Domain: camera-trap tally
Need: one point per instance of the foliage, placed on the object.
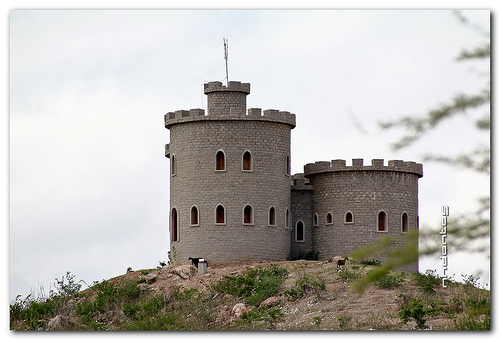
(259, 318)
(466, 228)
(309, 256)
(347, 274)
(370, 262)
(396, 257)
(390, 281)
(414, 310)
(305, 285)
(428, 281)
(254, 287)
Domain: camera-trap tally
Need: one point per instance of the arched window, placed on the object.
(173, 165)
(248, 215)
(175, 226)
(329, 218)
(315, 219)
(404, 223)
(272, 216)
(195, 217)
(287, 219)
(220, 214)
(220, 161)
(247, 161)
(299, 232)
(382, 221)
(349, 217)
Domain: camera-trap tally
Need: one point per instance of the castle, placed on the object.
(234, 200)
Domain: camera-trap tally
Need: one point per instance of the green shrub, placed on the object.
(390, 281)
(371, 262)
(416, 311)
(428, 281)
(255, 286)
(472, 323)
(347, 275)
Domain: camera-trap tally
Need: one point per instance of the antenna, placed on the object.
(225, 57)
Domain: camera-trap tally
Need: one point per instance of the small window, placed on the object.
(248, 215)
(315, 219)
(175, 226)
(272, 216)
(299, 232)
(382, 221)
(195, 216)
(287, 166)
(220, 161)
(349, 217)
(247, 161)
(173, 165)
(329, 218)
(287, 219)
(404, 223)
(220, 215)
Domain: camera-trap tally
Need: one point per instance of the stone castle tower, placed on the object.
(230, 179)
(233, 199)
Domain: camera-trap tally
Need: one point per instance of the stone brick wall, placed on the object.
(194, 142)
(364, 191)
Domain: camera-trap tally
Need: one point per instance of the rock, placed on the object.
(185, 271)
(270, 301)
(151, 277)
(239, 309)
(59, 322)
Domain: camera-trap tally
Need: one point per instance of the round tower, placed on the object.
(229, 179)
(353, 206)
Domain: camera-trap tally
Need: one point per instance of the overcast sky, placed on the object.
(89, 183)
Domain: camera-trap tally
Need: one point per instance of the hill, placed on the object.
(289, 295)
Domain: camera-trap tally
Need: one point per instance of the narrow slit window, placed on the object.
(173, 165)
(382, 221)
(195, 216)
(220, 215)
(299, 232)
(315, 219)
(272, 216)
(248, 215)
(287, 219)
(348, 217)
(404, 223)
(287, 166)
(175, 226)
(220, 161)
(247, 161)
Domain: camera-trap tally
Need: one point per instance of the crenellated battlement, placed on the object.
(233, 86)
(357, 165)
(253, 114)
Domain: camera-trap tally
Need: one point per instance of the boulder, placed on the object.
(59, 322)
(185, 271)
(270, 301)
(239, 309)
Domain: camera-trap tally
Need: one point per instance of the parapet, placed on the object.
(299, 182)
(233, 86)
(253, 114)
(338, 165)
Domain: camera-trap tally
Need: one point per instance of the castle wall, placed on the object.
(195, 140)
(363, 191)
(302, 194)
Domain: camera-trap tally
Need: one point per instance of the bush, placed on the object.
(390, 281)
(254, 287)
(346, 274)
(371, 262)
(416, 311)
(428, 281)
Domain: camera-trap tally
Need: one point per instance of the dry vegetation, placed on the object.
(296, 295)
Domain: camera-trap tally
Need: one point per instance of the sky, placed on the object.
(88, 89)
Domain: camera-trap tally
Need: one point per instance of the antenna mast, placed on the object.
(225, 57)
